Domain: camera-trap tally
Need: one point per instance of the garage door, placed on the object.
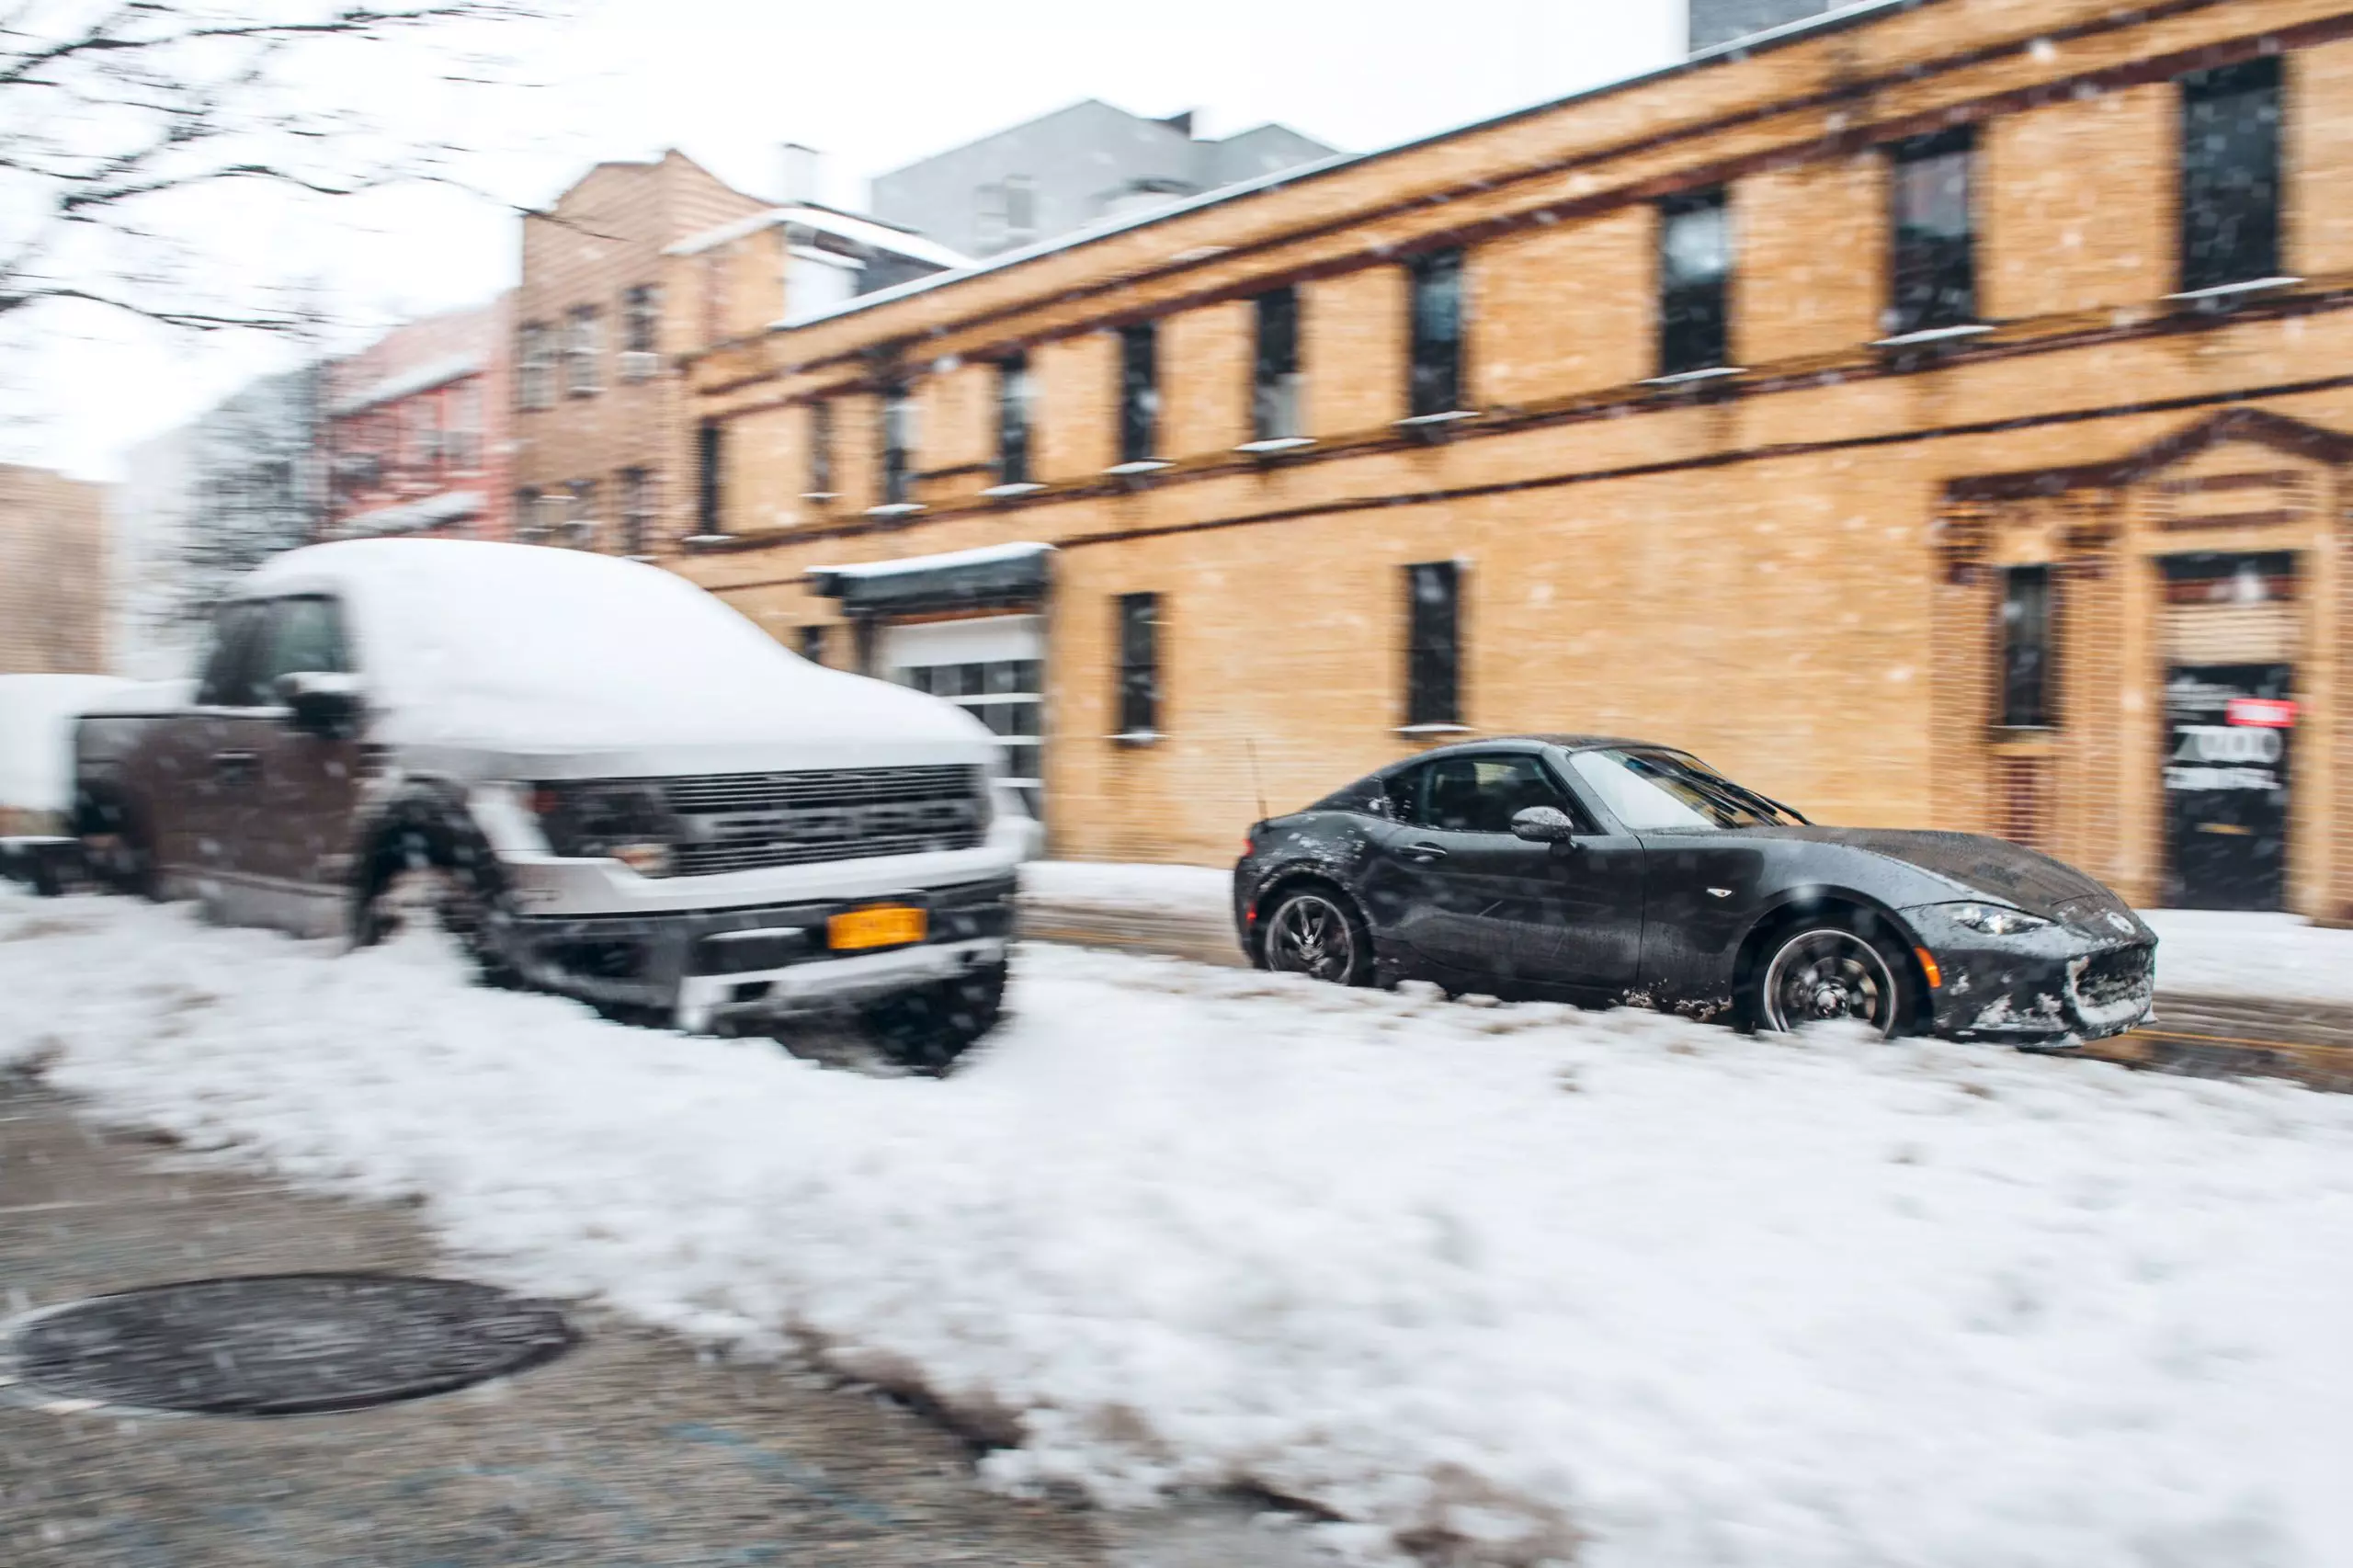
(994, 667)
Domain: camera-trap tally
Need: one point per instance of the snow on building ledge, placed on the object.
(997, 575)
(423, 378)
(410, 516)
(862, 231)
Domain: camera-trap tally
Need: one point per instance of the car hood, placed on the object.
(1973, 865)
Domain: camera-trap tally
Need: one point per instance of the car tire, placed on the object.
(442, 867)
(1314, 929)
(1831, 970)
(929, 1027)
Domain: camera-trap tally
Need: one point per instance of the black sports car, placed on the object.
(1597, 871)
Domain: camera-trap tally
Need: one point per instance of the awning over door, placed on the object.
(1001, 576)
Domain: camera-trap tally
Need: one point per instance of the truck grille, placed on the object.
(746, 822)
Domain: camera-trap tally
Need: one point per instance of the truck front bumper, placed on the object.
(698, 966)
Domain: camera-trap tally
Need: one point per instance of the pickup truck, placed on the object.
(598, 778)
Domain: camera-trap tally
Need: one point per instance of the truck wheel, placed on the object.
(416, 873)
(928, 1028)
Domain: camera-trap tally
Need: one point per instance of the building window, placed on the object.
(1433, 631)
(1275, 412)
(423, 434)
(1139, 391)
(640, 318)
(1435, 285)
(461, 436)
(2230, 175)
(1139, 664)
(711, 464)
(1695, 270)
(812, 643)
(898, 444)
(1013, 392)
(580, 523)
(535, 367)
(821, 451)
(580, 352)
(1021, 211)
(2027, 664)
(1933, 261)
(526, 512)
(637, 511)
(553, 511)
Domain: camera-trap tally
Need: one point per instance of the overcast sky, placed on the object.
(874, 87)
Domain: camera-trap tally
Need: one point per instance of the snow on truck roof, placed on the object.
(613, 649)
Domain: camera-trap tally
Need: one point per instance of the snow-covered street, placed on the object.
(1526, 1284)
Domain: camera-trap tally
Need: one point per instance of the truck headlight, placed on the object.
(1994, 919)
(629, 822)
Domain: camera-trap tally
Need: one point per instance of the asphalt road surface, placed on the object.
(630, 1451)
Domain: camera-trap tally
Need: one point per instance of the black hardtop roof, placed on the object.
(1530, 742)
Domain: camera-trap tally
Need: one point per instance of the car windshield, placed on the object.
(1653, 792)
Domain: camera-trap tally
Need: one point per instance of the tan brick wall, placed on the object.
(53, 584)
(2320, 159)
(1756, 575)
(1564, 309)
(1812, 259)
(2060, 241)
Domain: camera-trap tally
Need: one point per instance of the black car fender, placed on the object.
(1792, 907)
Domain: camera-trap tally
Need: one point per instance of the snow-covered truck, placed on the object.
(37, 714)
(599, 778)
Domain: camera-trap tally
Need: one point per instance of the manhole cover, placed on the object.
(283, 1345)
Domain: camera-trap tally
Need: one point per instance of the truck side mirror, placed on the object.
(321, 703)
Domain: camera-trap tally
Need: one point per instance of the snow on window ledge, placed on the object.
(1430, 421)
(1932, 334)
(1447, 729)
(1686, 377)
(1141, 465)
(1137, 738)
(1274, 444)
(1007, 492)
(696, 541)
(2229, 290)
(896, 509)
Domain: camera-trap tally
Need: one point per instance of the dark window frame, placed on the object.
(582, 352)
(2231, 224)
(2026, 648)
(1276, 378)
(229, 663)
(1013, 423)
(1136, 625)
(1694, 315)
(1435, 339)
(895, 459)
(711, 478)
(641, 318)
(821, 448)
(636, 510)
(1433, 643)
(1140, 392)
(813, 641)
(1931, 279)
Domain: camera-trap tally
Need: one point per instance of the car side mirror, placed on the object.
(321, 703)
(1544, 824)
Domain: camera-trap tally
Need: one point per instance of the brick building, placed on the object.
(632, 267)
(415, 432)
(53, 574)
(1938, 415)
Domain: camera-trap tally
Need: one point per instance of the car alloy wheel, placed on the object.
(1828, 974)
(1311, 934)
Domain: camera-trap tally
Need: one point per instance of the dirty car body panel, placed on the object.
(1673, 914)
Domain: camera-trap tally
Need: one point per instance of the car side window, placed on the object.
(305, 638)
(235, 645)
(1481, 794)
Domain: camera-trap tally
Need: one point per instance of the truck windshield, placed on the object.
(1655, 791)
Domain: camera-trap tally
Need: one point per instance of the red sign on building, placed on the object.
(2263, 712)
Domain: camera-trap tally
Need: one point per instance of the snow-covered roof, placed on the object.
(444, 507)
(1738, 49)
(423, 377)
(987, 555)
(863, 232)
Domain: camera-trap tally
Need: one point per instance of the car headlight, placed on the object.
(1994, 919)
(631, 823)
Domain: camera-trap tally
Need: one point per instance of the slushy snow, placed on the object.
(1505, 1285)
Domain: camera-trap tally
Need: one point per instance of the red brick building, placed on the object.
(418, 432)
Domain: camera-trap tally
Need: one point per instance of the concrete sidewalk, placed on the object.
(631, 1451)
(2311, 1042)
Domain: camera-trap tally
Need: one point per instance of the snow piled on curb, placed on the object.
(1505, 1285)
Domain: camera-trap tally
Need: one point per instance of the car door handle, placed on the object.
(236, 764)
(1424, 853)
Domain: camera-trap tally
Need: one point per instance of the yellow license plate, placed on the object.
(891, 926)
